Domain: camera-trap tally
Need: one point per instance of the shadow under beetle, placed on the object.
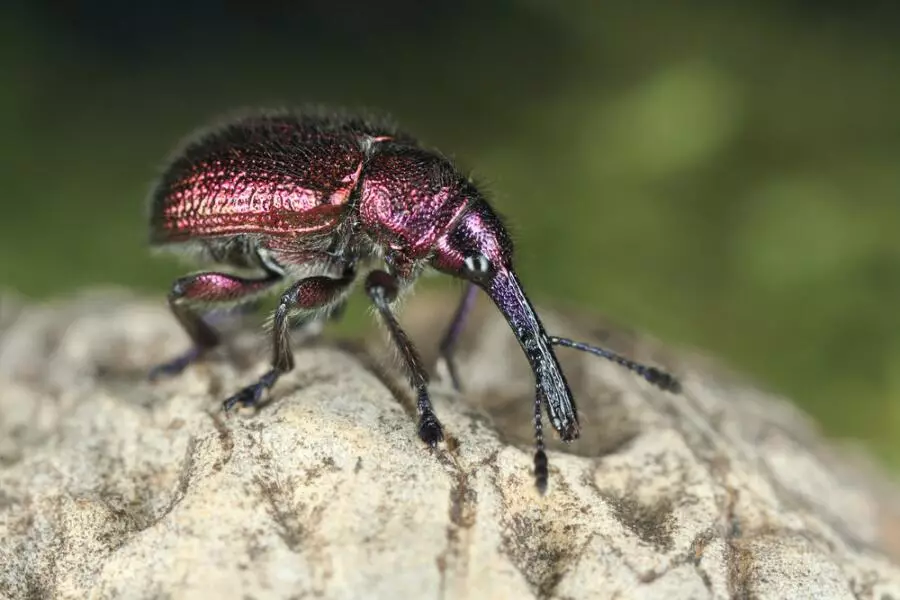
(310, 199)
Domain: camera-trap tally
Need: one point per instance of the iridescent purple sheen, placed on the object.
(274, 175)
(213, 287)
(361, 188)
(296, 197)
(481, 232)
(506, 292)
(409, 198)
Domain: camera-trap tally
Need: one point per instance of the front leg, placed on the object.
(307, 294)
(382, 289)
(453, 331)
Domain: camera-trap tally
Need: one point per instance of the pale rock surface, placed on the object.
(112, 487)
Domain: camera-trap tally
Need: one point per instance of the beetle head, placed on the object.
(479, 249)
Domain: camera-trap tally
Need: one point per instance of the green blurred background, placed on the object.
(725, 176)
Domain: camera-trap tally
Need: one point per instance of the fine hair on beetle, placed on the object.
(308, 203)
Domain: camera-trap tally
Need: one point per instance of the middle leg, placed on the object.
(312, 293)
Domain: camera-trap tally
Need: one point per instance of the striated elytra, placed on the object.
(304, 202)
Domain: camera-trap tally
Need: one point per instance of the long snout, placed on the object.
(507, 293)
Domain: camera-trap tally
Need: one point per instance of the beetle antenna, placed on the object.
(540, 457)
(657, 377)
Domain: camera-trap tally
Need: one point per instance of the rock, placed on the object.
(113, 487)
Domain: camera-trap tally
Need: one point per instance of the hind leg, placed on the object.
(206, 290)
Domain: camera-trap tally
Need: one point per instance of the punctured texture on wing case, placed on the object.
(280, 174)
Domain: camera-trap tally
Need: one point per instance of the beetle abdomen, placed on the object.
(279, 174)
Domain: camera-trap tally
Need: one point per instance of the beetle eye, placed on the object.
(477, 265)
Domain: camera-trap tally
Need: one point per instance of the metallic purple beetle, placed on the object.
(308, 199)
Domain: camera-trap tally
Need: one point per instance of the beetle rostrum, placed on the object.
(309, 203)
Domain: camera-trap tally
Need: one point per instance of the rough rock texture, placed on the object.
(112, 487)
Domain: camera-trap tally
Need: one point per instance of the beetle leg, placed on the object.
(312, 293)
(311, 325)
(205, 289)
(382, 290)
(451, 335)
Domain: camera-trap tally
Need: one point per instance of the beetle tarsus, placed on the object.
(252, 394)
(452, 370)
(430, 430)
(176, 365)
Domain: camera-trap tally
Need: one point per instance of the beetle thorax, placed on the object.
(409, 198)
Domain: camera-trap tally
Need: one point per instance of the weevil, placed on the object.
(307, 202)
